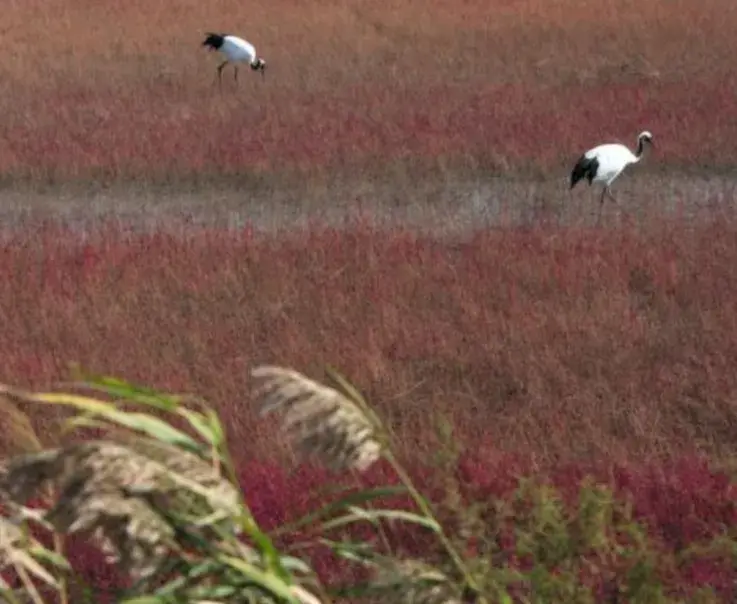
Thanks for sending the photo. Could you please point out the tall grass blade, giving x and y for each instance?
(374, 516)
(122, 389)
(346, 501)
(93, 408)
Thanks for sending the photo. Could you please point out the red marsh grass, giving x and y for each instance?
(684, 505)
(563, 343)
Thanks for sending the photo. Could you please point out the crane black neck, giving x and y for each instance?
(640, 147)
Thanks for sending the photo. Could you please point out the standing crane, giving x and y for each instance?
(603, 164)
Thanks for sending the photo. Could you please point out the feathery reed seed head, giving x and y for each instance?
(318, 420)
(118, 495)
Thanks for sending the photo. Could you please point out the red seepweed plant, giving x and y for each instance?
(562, 343)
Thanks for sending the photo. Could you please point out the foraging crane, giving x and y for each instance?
(236, 50)
(604, 163)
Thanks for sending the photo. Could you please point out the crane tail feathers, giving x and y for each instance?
(584, 168)
(213, 40)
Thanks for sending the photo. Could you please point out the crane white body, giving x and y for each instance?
(235, 50)
(238, 50)
(604, 163)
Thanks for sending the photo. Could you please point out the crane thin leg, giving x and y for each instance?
(220, 73)
(601, 205)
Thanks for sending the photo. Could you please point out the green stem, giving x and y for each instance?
(379, 527)
(59, 549)
(248, 522)
(425, 508)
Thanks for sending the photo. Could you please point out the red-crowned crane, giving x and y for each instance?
(235, 50)
(604, 163)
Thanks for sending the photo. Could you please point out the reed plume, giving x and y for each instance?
(319, 421)
(120, 497)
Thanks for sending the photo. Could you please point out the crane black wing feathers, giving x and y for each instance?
(214, 40)
(584, 168)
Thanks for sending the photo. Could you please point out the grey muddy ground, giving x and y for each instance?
(449, 207)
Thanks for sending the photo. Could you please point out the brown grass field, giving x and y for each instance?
(509, 87)
(391, 200)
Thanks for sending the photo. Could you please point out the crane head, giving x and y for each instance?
(259, 65)
(646, 137)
